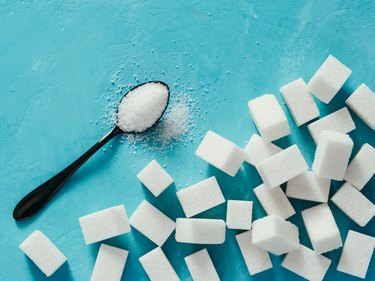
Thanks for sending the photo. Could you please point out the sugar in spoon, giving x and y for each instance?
(139, 110)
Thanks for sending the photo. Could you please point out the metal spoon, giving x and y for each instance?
(38, 198)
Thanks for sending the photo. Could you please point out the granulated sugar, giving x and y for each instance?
(142, 107)
(176, 123)
(173, 129)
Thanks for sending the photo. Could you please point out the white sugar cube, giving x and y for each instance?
(321, 228)
(200, 197)
(239, 214)
(299, 101)
(362, 167)
(104, 224)
(356, 254)
(109, 264)
(338, 121)
(200, 231)
(201, 267)
(43, 253)
(258, 150)
(282, 166)
(275, 235)
(157, 266)
(354, 204)
(332, 155)
(309, 187)
(269, 117)
(274, 201)
(257, 260)
(329, 79)
(362, 102)
(221, 153)
(152, 223)
(155, 178)
(307, 263)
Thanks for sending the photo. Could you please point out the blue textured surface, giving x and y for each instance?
(56, 62)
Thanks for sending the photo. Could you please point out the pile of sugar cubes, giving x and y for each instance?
(276, 166)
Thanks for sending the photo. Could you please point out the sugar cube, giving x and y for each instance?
(274, 201)
(354, 204)
(152, 223)
(307, 263)
(269, 117)
(200, 197)
(321, 228)
(200, 231)
(104, 224)
(299, 101)
(309, 187)
(275, 235)
(257, 260)
(109, 264)
(43, 253)
(221, 153)
(258, 150)
(239, 214)
(155, 178)
(282, 166)
(356, 254)
(338, 121)
(157, 266)
(201, 267)
(332, 155)
(329, 79)
(362, 102)
(362, 167)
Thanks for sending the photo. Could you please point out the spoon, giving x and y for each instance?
(38, 198)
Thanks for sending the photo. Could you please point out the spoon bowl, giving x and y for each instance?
(38, 198)
(162, 98)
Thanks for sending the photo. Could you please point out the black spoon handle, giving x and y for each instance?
(37, 198)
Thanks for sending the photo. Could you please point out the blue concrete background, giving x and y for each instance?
(57, 60)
